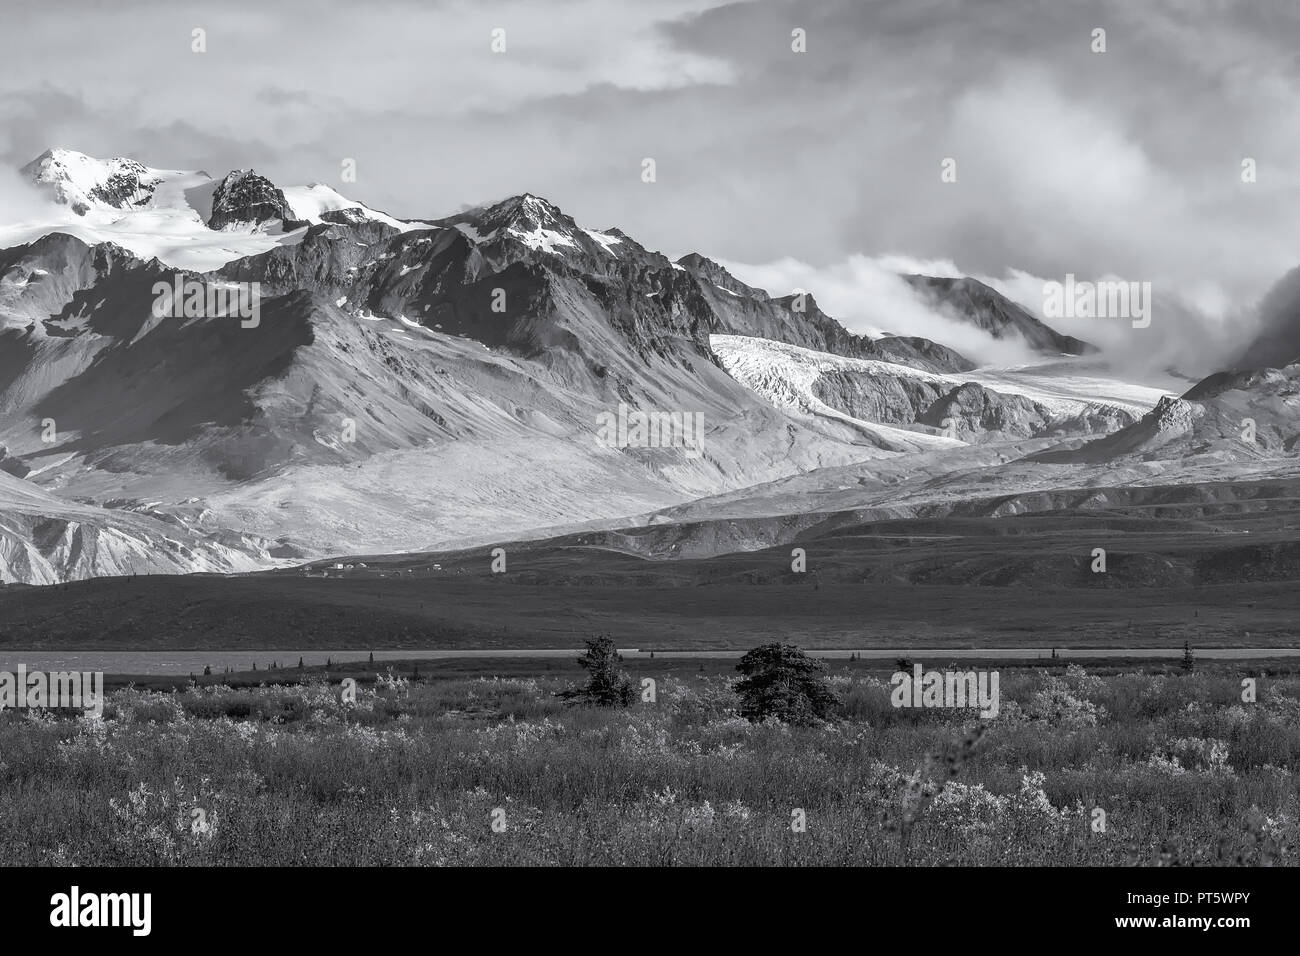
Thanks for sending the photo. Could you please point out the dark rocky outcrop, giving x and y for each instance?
(972, 301)
(244, 198)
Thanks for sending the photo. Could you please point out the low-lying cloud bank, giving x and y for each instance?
(20, 201)
(1193, 328)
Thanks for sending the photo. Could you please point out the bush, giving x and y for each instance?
(1059, 707)
(782, 681)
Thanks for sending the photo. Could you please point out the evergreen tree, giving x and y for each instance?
(782, 681)
(606, 686)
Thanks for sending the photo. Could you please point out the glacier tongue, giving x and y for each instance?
(1025, 402)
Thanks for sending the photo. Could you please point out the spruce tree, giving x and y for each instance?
(606, 686)
(782, 681)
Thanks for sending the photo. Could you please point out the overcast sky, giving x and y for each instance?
(808, 165)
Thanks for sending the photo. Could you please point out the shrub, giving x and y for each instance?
(1059, 707)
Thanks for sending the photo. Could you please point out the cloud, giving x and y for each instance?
(1277, 341)
(869, 296)
(1124, 163)
(20, 201)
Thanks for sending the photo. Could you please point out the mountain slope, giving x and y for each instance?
(972, 301)
(45, 539)
(1248, 416)
(432, 383)
(252, 420)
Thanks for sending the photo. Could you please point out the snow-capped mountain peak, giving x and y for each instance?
(522, 214)
(185, 218)
(313, 202)
(83, 182)
(538, 225)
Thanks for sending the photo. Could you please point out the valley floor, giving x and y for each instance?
(286, 612)
(1027, 582)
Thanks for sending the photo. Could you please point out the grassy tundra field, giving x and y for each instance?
(1077, 768)
(920, 583)
(286, 611)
